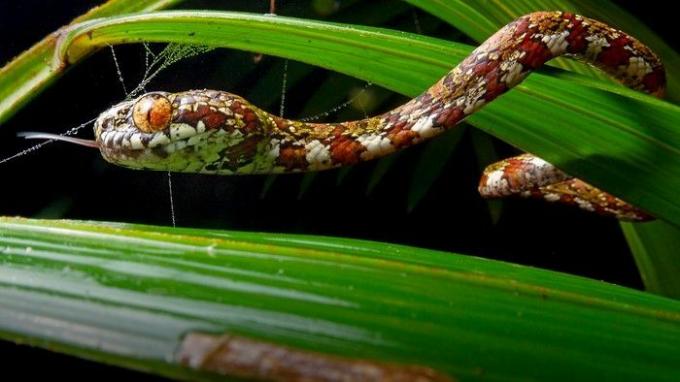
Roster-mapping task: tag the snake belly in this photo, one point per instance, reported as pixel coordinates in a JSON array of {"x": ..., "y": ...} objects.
[{"x": 216, "y": 132}]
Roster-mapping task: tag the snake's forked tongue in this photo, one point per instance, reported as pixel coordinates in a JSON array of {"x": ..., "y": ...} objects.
[{"x": 56, "y": 137}]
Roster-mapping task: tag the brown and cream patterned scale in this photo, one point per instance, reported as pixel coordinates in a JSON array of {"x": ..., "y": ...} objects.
[{"x": 207, "y": 131}]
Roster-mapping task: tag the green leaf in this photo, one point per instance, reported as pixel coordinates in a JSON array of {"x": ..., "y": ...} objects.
[
  {"x": 486, "y": 155},
  {"x": 267, "y": 185},
  {"x": 343, "y": 173},
  {"x": 28, "y": 74},
  {"x": 382, "y": 167},
  {"x": 590, "y": 132},
  {"x": 305, "y": 184},
  {"x": 655, "y": 246},
  {"x": 129, "y": 295},
  {"x": 430, "y": 165}
]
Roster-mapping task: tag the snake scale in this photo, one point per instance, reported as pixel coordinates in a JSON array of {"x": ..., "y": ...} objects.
[{"x": 215, "y": 132}]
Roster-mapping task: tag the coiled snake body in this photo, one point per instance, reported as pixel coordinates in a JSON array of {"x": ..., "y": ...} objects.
[{"x": 207, "y": 131}]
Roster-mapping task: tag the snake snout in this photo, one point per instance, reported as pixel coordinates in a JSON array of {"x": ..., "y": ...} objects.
[{"x": 115, "y": 118}]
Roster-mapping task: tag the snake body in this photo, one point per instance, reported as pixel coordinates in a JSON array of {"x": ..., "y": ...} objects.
[{"x": 215, "y": 132}]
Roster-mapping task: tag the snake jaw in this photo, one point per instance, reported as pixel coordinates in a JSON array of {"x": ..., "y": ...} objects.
[
  {"x": 115, "y": 118},
  {"x": 109, "y": 126},
  {"x": 216, "y": 134}
]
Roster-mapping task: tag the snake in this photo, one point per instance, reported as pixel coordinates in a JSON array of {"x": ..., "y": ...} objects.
[{"x": 216, "y": 132}]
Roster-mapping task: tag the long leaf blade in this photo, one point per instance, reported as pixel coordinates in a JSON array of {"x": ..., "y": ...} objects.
[
  {"x": 27, "y": 75},
  {"x": 655, "y": 246},
  {"x": 129, "y": 295}
]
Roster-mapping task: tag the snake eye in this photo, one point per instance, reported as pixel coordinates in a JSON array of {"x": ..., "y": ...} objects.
[{"x": 152, "y": 112}]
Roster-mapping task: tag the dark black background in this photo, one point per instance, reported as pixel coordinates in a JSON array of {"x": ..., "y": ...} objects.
[{"x": 64, "y": 181}]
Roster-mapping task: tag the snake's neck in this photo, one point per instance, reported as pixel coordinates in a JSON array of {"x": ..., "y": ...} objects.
[
  {"x": 496, "y": 66},
  {"x": 304, "y": 146}
]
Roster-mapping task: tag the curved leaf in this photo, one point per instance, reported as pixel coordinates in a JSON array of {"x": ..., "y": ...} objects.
[
  {"x": 430, "y": 165},
  {"x": 132, "y": 295},
  {"x": 27, "y": 75},
  {"x": 655, "y": 246}
]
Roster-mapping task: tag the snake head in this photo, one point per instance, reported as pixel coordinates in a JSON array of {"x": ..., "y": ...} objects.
[{"x": 196, "y": 131}]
